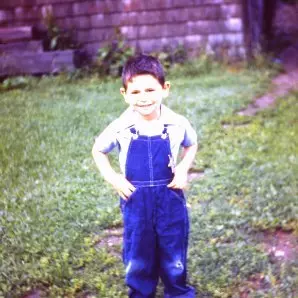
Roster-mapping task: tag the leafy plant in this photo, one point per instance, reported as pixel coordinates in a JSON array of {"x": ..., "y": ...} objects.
[
  {"x": 111, "y": 58},
  {"x": 171, "y": 56},
  {"x": 259, "y": 59},
  {"x": 57, "y": 38},
  {"x": 16, "y": 83},
  {"x": 199, "y": 66}
]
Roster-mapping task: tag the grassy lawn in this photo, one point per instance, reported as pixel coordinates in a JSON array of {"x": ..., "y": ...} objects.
[{"x": 55, "y": 209}]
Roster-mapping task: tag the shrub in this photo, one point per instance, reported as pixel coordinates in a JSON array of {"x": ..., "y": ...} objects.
[
  {"x": 57, "y": 38},
  {"x": 171, "y": 56},
  {"x": 113, "y": 55}
]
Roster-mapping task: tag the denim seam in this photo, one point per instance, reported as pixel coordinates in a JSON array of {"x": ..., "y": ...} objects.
[
  {"x": 128, "y": 154},
  {"x": 186, "y": 232},
  {"x": 151, "y": 183},
  {"x": 150, "y": 161}
]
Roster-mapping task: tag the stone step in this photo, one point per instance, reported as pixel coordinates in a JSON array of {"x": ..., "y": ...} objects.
[
  {"x": 14, "y": 34},
  {"x": 37, "y": 63},
  {"x": 21, "y": 46}
]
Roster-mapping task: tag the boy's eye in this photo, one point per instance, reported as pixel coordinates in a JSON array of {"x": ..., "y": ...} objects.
[
  {"x": 135, "y": 92},
  {"x": 150, "y": 90}
]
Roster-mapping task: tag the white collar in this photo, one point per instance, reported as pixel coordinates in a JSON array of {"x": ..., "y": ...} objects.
[{"x": 129, "y": 117}]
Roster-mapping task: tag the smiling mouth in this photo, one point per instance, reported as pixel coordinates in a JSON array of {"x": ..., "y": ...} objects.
[{"x": 145, "y": 106}]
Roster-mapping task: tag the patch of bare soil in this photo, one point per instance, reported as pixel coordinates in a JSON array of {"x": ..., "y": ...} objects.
[
  {"x": 34, "y": 294},
  {"x": 195, "y": 174},
  {"x": 254, "y": 283},
  {"x": 282, "y": 85},
  {"x": 281, "y": 247},
  {"x": 111, "y": 239}
]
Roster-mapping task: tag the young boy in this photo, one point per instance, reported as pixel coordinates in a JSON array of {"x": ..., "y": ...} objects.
[{"x": 148, "y": 136}]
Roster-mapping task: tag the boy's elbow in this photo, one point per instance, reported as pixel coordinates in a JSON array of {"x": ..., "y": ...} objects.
[
  {"x": 194, "y": 146},
  {"x": 94, "y": 151}
]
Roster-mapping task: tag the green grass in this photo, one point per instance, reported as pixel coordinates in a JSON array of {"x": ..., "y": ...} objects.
[
  {"x": 55, "y": 207},
  {"x": 250, "y": 186}
]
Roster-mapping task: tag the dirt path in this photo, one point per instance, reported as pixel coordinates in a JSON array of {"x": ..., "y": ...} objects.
[
  {"x": 282, "y": 85},
  {"x": 281, "y": 246}
]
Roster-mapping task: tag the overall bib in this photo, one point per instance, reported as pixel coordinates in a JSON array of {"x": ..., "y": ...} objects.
[{"x": 155, "y": 221}]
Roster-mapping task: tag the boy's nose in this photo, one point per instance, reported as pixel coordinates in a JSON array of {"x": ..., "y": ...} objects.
[{"x": 143, "y": 98}]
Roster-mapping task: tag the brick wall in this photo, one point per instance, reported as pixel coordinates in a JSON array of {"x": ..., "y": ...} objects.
[{"x": 148, "y": 24}]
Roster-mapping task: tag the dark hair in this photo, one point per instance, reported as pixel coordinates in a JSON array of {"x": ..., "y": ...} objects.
[{"x": 142, "y": 64}]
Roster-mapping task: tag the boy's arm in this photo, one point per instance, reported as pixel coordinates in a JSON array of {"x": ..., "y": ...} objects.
[
  {"x": 118, "y": 181},
  {"x": 181, "y": 170}
]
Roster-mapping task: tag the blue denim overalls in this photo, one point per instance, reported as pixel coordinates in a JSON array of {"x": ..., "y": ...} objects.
[{"x": 155, "y": 221}]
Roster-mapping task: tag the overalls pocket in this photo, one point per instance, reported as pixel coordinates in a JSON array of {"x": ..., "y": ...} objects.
[
  {"x": 124, "y": 203},
  {"x": 177, "y": 194},
  {"x": 132, "y": 195}
]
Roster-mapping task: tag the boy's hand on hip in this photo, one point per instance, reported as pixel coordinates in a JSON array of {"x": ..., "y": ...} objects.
[
  {"x": 123, "y": 186},
  {"x": 180, "y": 178}
]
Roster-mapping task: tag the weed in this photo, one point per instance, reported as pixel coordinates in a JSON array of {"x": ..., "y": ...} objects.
[
  {"x": 171, "y": 56},
  {"x": 17, "y": 83},
  {"x": 112, "y": 57},
  {"x": 56, "y": 37}
]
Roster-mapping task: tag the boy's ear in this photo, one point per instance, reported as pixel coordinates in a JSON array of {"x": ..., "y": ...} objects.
[
  {"x": 166, "y": 88},
  {"x": 123, "y": 93}
]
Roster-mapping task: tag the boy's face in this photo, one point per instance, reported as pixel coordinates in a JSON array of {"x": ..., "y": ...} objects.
[{"x": 144, "y": 93}]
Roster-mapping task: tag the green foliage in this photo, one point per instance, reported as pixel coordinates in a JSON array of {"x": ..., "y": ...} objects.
[
  {"x": 202, "y": 65},
  {"x": 17, "y": 83},
  {"x": 111, "y": 58},
  {"x": 55, "y": 208},
  {"x": 261, "y": 60},
  {"x": 249, "y": 185},
  {"x": 171, "y": 56},
  {"x": 57, "y": 38}
]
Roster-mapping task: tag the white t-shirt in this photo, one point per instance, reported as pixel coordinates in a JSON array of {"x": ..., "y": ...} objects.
[{"x": 118, "y": 134}]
